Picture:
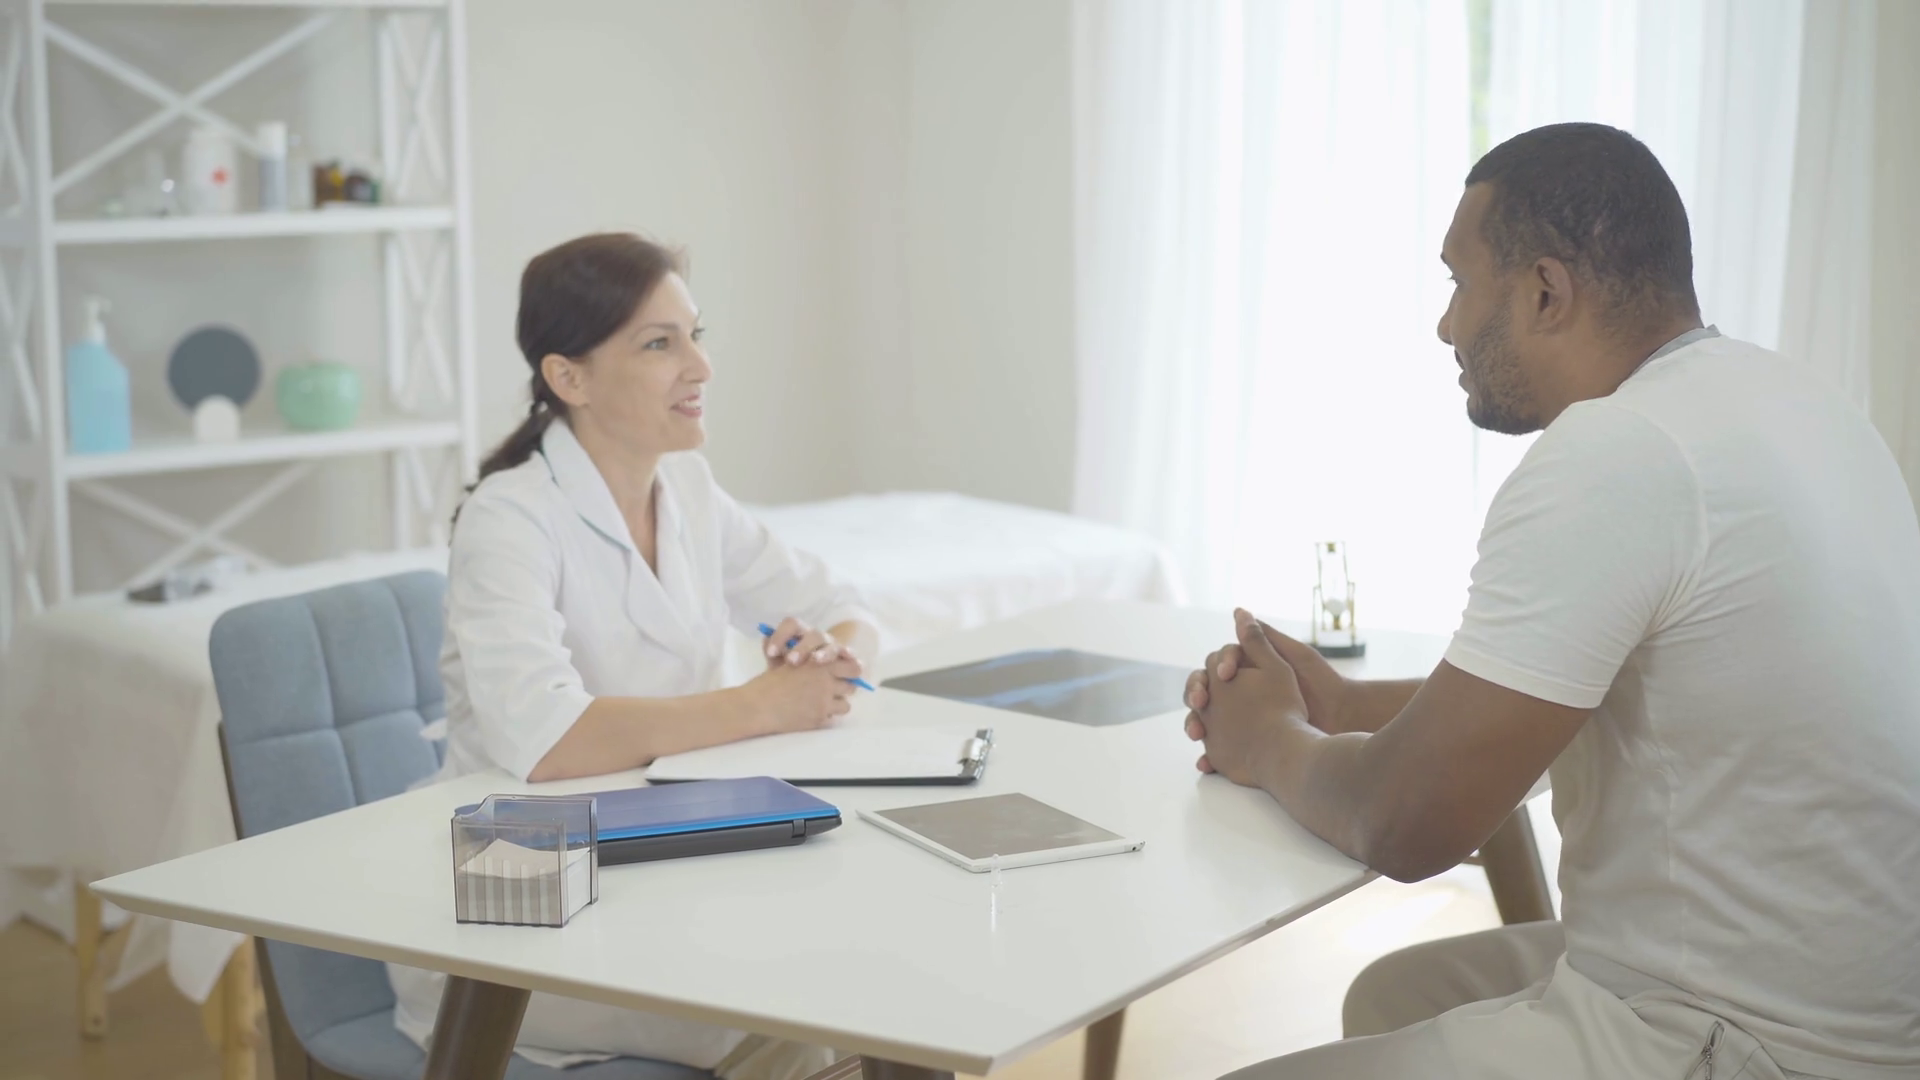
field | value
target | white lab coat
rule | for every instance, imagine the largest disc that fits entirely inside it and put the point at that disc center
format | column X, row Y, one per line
column 550, row 604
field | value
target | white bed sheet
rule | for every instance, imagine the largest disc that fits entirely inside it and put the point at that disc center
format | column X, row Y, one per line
column 932, row 563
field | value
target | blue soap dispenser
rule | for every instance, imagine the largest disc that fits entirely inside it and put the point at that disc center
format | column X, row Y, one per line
column 99, row 402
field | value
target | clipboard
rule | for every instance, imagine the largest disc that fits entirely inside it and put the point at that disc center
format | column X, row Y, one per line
column 853, row 756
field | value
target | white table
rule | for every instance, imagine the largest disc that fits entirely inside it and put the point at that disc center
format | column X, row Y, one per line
column 108, row 755
column 853, row 940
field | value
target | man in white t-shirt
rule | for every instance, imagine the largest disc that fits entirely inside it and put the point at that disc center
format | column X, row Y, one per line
column 1698, row 600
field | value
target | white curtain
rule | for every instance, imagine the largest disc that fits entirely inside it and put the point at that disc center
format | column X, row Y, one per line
column 1262, row 188
column 1825, row 310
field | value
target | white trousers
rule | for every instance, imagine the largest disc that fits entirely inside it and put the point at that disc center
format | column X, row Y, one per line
column 560, row 1031
column 1504, row 1004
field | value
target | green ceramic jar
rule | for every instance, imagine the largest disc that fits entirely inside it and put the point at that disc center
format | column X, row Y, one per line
column 320, row 396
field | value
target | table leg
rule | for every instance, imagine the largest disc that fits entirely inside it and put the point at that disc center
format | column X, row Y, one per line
column 97, row 954
column 474, row 1034
column 1102, row 1060
column 86, row 949
column 844, row 1069
column 231, row 1015
column 875, row 1069
column 1512, row 861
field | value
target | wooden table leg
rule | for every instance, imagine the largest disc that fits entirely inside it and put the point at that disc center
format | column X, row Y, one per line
column 231, row 1015
column 1512, row 862
column 875, row 1069
column 844, row 1069
column 98, row 956
column 86, row 949
column 1102, row 1060
column 474, row 1034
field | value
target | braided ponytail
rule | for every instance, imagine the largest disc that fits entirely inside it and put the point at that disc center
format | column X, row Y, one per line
column 519, row 446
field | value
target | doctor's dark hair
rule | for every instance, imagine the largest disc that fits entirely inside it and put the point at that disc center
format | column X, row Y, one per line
column 572, row 299
column 1595, row 198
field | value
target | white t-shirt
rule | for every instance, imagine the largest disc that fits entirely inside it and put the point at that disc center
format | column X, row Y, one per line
column 1721, row 560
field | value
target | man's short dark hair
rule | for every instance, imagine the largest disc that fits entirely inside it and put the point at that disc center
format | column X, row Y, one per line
column 1595, row 198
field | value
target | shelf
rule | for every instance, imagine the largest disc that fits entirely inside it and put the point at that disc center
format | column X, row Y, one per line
column 329, row 222
column 182, row 454
column 251, row 3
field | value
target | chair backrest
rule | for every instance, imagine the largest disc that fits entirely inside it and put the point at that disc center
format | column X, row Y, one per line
column 322, row 698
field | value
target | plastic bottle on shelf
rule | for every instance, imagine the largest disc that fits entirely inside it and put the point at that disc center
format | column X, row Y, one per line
column 99, row 398
column 272, row 137
column 299, row 175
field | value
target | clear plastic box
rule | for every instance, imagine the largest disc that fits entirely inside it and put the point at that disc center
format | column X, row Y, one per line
column 525, row 860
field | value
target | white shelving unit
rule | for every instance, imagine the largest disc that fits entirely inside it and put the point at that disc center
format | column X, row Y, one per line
column 424, row 238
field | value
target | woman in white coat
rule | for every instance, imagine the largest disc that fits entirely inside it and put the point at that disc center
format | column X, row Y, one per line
column 595, row 569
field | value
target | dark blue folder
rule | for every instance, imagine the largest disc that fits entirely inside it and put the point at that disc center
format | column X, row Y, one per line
column 672, row 821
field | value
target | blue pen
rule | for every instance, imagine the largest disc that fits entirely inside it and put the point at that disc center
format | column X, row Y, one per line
column 767, row 632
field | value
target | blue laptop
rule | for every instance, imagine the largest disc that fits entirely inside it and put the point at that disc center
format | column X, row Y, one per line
column 672, row 821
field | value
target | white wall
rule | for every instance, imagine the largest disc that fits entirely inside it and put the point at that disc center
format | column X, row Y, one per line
column 705, row 125
column 876, row 197
column 981, row 397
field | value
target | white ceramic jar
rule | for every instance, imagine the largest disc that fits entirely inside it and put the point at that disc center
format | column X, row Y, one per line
column 209, row 172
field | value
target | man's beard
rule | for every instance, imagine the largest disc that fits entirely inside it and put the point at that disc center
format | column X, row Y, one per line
column 1499, row 399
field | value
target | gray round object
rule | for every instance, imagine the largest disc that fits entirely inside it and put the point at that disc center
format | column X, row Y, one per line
column 213, row 361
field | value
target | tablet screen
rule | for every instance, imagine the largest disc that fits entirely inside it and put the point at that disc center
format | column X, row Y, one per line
column 1000, row 825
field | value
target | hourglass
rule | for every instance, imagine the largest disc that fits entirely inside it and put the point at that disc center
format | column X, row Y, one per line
column 1335, row 633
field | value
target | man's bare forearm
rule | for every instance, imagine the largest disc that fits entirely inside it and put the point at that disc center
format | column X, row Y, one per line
column 1325, row 783
column 1371, row 703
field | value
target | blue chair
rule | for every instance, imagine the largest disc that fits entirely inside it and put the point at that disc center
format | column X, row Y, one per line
column 322, row 700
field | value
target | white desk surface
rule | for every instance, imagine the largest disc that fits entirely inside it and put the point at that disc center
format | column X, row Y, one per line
column 854, row 939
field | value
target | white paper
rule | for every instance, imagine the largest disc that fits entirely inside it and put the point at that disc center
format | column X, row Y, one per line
column 848, row 753
column 510, row 883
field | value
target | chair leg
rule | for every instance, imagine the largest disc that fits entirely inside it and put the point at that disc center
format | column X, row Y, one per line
column 231, row 1016
column 1519, row 882
column 1102, row 1059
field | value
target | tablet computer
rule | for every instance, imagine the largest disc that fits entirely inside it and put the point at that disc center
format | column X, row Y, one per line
column 1014, row 830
